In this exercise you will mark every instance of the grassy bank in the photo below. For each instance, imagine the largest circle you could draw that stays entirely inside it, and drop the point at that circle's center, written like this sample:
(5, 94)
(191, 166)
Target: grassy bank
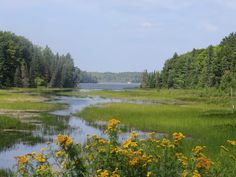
(209, 125)
(13, 123)
(207, 96)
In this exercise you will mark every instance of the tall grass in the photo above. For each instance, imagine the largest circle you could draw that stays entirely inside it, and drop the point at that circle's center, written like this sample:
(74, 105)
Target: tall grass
(208, 125)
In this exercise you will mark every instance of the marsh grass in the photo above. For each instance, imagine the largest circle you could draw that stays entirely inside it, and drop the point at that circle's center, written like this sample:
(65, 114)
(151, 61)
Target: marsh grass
(57, 122)
(203, 124)
(21, 99)
(13, 123)
(6, 173)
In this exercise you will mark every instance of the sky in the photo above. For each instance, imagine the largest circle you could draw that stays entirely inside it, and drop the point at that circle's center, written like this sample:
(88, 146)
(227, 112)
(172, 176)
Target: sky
(120, 35)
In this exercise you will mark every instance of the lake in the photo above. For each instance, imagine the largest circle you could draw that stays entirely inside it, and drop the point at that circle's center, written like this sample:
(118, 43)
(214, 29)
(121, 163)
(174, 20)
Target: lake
(108, 86)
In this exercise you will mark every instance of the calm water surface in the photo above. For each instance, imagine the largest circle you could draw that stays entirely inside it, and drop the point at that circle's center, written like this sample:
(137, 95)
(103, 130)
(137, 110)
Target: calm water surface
(78, 128)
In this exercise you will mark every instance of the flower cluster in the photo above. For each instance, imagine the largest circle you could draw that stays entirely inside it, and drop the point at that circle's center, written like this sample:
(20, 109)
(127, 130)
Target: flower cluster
(134, 157)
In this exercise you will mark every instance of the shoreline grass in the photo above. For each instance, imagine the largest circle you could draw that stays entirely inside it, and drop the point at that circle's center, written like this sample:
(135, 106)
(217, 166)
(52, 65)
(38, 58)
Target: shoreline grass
(208, 125)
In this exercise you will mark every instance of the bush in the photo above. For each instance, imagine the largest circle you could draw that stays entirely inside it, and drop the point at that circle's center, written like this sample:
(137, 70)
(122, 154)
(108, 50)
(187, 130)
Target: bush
(135, 157)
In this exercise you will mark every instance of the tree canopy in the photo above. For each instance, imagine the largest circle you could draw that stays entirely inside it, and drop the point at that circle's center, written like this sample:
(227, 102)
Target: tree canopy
(23, 64)
(214, 66)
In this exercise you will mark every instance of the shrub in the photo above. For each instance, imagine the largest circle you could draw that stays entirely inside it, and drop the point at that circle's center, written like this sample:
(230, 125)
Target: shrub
(135, 157)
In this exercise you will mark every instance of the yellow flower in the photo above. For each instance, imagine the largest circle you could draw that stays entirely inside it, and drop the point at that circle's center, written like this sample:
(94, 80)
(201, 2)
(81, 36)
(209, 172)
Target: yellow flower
(101, 141)
(178, 137)
(112, 123)
(198, 149)
(40, 158)
(232, 142)
(149, 174)
(41, 168)
(33, 153)
(205, 163)
(22, 160)
(114, 173)
(182, 159)
(134, 134)
(59, 154)
(165, 142)
(130, 143)
(185, 173)
(64, 140)
(104, 173)
(196, 174)
(133, 162)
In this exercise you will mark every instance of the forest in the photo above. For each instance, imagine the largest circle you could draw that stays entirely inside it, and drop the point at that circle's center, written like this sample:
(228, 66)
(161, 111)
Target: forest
(214, 66)
(23, 64)
(124, 77)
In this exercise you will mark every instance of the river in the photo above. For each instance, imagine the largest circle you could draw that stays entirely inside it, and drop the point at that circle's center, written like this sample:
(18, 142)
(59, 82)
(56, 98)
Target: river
(78, 129)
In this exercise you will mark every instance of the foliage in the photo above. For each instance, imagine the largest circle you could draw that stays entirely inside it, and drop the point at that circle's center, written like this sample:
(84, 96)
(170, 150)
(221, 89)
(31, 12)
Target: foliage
(23, 64)
(124, 77)
(86, 77)
(135, 157)
(214, 66)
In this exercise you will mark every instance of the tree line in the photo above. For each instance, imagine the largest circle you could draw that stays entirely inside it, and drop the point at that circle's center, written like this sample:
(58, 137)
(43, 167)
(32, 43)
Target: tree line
(214, 66)
(23, 64)
(124, 77)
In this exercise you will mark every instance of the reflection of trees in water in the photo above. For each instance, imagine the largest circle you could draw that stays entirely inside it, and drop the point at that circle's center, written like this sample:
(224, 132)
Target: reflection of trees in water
(10, 139)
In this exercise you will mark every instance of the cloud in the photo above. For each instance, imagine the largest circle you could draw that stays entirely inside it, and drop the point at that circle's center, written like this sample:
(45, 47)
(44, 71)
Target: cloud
(147, 25)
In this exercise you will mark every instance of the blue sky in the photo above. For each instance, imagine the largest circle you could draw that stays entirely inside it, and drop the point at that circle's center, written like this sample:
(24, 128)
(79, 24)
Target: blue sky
(120, 35)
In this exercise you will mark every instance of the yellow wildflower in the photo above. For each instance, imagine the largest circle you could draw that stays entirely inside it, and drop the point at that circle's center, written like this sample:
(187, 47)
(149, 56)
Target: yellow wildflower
(178, 137)
(59, 154)
(22, 159)
(149, 174)
(198, 149)
(112, 123)
(165, 142)
(40, 158)
(101, 141)
(196, 174)
(185, 173)
(104, 173)
(64, 140)
(134, 161)
(115, 173)
(134, 134)
(182, 159)
(232, 142)
(205, 163)
(41, 168)
(130, 143)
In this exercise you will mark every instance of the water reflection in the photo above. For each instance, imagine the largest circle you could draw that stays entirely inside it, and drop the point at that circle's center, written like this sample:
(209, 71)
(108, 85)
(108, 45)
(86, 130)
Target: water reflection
(48, 126)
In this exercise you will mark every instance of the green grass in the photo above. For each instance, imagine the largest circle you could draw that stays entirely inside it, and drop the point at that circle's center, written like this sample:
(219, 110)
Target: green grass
(209, 96)
(205, 124)
(13, 123)
(57, 122)
(6, 173)
(29, 106)
(21, 99)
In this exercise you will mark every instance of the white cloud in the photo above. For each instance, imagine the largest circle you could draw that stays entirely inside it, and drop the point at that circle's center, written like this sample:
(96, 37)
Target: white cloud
(147, 25)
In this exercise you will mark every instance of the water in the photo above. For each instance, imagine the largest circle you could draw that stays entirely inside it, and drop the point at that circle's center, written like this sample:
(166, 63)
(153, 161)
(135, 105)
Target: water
(107, 86)
(78, 129)
(23, 143)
